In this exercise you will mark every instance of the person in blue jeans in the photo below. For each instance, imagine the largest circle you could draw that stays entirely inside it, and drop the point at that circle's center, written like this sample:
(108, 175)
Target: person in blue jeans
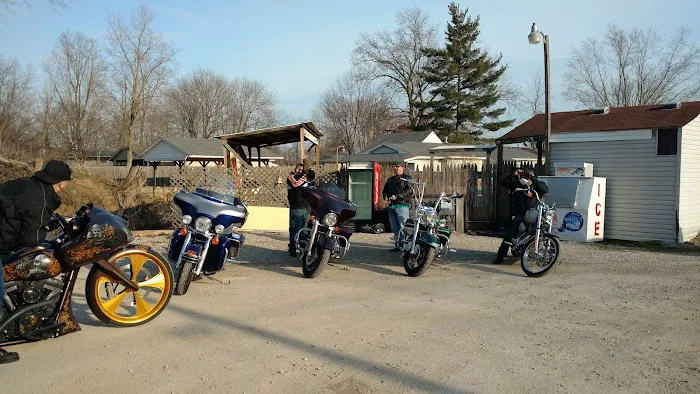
(397, 195)
(299, 209)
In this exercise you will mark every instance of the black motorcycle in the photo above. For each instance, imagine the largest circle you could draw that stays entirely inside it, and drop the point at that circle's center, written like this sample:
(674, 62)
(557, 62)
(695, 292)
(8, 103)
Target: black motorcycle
(128, 284)
(326, 234)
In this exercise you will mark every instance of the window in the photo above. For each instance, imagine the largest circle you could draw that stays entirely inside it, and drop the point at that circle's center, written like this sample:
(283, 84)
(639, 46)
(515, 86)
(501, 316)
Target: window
(666, 142)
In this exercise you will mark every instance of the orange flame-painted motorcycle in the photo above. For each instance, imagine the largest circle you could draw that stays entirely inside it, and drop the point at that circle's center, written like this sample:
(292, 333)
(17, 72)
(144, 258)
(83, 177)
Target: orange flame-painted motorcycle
(128, 284)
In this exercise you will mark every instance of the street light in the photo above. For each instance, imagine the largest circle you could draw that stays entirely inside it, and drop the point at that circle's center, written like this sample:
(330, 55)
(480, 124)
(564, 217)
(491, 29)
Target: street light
(535, 37)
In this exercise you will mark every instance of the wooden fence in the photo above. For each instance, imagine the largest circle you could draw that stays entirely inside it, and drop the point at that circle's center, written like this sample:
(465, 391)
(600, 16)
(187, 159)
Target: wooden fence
(486, 203)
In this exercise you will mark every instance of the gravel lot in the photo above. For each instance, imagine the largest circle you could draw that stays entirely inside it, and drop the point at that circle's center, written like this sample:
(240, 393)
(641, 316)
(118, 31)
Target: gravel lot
(606, 319)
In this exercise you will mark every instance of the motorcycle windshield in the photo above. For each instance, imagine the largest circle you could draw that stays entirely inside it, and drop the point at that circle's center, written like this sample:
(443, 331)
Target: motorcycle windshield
(322, 202)
(227, 198)
(333, 189)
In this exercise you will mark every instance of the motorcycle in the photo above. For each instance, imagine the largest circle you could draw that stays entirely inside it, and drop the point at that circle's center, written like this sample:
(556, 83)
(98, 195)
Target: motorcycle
(535, 242)
(431, 240)
(326, 234)
(128, 284)
(208, 237)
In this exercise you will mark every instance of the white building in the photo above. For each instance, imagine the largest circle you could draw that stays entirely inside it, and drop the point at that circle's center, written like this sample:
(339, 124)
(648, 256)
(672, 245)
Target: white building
(650, 156)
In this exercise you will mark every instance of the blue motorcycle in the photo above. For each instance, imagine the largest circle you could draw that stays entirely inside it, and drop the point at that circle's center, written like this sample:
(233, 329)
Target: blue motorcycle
(208, 237)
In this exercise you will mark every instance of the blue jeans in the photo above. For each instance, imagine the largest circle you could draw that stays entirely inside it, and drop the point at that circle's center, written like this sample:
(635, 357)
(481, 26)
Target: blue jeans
(397, 219)
(297, 221)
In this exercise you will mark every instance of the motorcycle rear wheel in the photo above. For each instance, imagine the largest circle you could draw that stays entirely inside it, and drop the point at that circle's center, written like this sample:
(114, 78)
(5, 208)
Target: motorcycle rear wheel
(550, 244)
(108, 308)
(425, 257)
(318, 259)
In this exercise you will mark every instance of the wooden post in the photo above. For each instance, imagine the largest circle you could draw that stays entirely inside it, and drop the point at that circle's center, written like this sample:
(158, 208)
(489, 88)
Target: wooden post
(318, 157)
(301, 143)
(459, 214)
(548, 109)
(227, 156)
(497, 194)
(259, 160)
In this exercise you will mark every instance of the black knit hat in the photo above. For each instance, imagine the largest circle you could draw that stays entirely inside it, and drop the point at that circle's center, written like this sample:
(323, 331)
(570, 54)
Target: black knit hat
(54, 172)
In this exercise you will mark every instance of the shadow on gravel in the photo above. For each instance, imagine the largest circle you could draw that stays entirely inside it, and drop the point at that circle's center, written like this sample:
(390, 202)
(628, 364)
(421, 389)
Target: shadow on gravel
(480, 261)
(360, 256)
(365, 366)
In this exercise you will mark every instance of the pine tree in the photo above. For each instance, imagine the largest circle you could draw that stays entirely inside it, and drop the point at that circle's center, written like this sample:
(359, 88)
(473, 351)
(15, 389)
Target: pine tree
(466, 83)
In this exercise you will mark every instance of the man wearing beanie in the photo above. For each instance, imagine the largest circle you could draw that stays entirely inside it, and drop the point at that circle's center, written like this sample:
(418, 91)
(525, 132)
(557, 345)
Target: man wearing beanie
(26, 205)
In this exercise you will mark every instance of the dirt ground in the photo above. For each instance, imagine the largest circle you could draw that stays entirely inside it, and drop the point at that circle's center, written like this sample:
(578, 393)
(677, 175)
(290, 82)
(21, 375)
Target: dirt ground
(607, 319)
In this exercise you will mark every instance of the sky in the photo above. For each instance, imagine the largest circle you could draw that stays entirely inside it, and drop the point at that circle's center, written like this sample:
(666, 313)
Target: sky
(299, 48)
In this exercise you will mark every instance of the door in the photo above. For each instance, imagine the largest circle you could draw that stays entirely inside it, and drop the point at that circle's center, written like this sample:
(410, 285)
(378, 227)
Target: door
(360, 193)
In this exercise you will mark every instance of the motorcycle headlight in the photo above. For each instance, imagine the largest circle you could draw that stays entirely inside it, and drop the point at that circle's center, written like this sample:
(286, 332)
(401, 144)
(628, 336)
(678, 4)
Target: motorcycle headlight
(202, 224)
(431, 217)
(219, 229)
(187, 219)
(330, 219)
(442, 223)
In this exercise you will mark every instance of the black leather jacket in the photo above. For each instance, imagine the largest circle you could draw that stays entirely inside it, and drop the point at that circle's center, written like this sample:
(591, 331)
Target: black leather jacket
(397, 186)
(520, 202)
(26, 206)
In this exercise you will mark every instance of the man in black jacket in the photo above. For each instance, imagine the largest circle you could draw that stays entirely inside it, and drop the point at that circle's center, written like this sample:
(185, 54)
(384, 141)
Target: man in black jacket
(299, 209)
(520, 204)
(26, 206)
(397, 195)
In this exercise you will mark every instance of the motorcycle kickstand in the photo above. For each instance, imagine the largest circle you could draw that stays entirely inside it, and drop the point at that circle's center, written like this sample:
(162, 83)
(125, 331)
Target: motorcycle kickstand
(216, 280)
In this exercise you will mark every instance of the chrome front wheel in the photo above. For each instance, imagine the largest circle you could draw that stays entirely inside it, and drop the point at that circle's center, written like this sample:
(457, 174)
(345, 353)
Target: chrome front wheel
(538, 263)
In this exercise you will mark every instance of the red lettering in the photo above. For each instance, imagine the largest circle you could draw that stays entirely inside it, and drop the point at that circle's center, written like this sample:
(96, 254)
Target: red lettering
(597, 228)
(599, 190)
(597, 209)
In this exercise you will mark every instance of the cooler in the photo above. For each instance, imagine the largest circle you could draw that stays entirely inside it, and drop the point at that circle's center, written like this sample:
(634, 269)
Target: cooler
(580, 209)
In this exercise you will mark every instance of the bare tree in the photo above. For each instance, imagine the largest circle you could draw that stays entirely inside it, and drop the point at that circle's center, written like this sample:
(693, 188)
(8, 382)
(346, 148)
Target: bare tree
(253, 106)
(142, 63)
(634, 67)
(15, 101)
(531, 99)
(353, 111)
(397, 58)
(200, 103)
(76, 73)
(55, 4)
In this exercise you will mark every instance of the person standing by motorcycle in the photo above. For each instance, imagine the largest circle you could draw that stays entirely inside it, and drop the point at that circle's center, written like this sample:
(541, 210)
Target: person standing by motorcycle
(397, 193)
(299, 209)
(521, 202)
(26, 207)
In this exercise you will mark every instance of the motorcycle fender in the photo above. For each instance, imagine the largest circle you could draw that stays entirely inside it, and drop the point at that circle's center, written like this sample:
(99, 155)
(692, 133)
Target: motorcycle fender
(429, 239)
(325, 241)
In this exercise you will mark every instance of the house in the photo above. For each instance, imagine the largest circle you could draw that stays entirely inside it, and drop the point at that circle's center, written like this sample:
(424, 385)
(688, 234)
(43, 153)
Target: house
(650, 156)
(184, 151)
(414, 150)
(118, 158)
(99, 155)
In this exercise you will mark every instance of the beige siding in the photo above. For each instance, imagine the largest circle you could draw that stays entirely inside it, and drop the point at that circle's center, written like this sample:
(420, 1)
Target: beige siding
(641, 186)
(689, 201)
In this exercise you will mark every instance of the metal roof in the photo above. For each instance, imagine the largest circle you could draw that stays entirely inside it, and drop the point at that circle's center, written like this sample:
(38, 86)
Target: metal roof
(273, 135)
